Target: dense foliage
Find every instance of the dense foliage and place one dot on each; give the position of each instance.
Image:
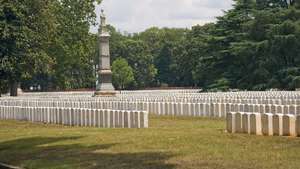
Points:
(47, 43)
(254, 46)
(122, 74)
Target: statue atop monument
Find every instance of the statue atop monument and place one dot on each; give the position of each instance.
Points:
(102, 28)
(103, 18)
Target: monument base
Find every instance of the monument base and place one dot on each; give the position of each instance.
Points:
(105, 94)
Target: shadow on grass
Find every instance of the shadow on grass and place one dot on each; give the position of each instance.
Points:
(50, 152)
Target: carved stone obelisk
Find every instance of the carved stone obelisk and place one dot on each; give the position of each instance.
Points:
(104, 87)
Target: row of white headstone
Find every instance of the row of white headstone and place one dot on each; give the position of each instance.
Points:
(123, 93)
(141, 94)
(165, 108)
(263, 124)
(174, 100)
(77, 116)
(188, 94)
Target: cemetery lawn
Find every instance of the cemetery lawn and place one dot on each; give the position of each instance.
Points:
(169, 143)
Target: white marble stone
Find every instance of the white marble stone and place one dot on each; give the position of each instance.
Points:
(267, 124)
(255, 124)
(246, 123)
(238, 122)
(277, 124)
(289, 125)
(230, 122)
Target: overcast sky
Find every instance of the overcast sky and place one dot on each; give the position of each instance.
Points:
(138, 15)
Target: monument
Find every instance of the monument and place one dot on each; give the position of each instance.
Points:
(104, 86)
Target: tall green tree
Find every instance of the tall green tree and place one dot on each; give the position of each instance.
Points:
(162, 43)
(47, 43)
(24, 30)
(122, 74)
(254, 46)
(73, 46)
(140, 59)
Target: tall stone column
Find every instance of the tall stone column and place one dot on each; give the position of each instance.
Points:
(104, 87)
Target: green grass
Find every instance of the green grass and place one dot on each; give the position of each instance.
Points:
(169, 143)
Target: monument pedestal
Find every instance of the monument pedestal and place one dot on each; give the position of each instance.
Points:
(105, 87)
(105, 93)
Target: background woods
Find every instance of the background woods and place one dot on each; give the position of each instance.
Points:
(254, 46)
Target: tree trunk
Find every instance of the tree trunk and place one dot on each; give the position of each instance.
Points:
(14, 89)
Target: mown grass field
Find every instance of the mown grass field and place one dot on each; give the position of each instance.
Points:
(169, 143)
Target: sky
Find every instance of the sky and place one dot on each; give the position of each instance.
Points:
(137, 15)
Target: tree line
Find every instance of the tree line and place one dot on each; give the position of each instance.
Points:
(253, 46)
(47, 43)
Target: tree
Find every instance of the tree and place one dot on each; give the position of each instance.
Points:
(122, 74)
(24, 30)
(47, 43)
(202, 47)
(72, 46)
(140, 59)
(161, 44)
